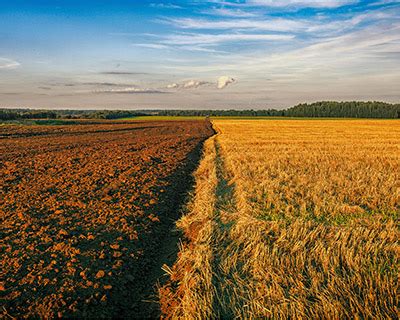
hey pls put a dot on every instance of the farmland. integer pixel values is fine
(84, 210)
(287, 218)
(291, 219)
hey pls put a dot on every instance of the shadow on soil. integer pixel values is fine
(138, 298)
(130, 290)
(170, 209)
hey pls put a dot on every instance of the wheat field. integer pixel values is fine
(291, 219)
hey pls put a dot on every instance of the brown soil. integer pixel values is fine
(87, 212)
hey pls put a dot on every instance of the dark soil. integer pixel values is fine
(87, 215)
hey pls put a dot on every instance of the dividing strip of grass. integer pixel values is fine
(190, 293)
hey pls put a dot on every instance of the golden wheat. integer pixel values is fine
(308, 227)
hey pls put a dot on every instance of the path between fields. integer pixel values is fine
(148, 306)
(214, 288)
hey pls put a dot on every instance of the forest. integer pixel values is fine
(20, 114)
(322, 109)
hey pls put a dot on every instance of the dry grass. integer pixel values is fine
(309, 228)
(193, 270)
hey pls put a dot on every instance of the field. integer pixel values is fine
(164, 118)
(287, 218)
(84, 210)
(291, 219)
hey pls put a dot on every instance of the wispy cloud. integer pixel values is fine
(210, 39)
(384, 2)
(105, 84)
(8, 63)
(302, 3)
(121, 73)
(222, 82)
(322, 24)
(165, 5)
(129, 90)
(271, 24)
(370, 50)
(188, 84)
(151, 45)
(229, 12)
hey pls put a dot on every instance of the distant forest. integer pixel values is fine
(21, 114)
(332, 109)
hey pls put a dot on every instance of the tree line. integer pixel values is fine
(20, 114)
(346, 109)
(328, 109)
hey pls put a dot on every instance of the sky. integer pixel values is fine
(197, 54)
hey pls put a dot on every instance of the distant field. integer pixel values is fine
(51, 122)
(170, 118)
(292, 219)
(165, 118)
(180, 118)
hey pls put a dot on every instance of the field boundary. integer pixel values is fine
(168, 243)
(201, 291)
(190, 291)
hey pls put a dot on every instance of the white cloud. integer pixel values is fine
(199, 48)
(188, 84)
(272, 24)
(224, 81)
(165, 6)
(197, 38)
(225, 12)
(302, 3)
(322, 25)
(373, 50)
(8, 63)
(383, 2)
(193, 84)
(158, 46)
(128, 90)
(151, 45)
(173, 86)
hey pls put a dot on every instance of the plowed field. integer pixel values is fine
(84, 209)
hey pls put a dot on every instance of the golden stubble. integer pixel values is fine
(311, 230)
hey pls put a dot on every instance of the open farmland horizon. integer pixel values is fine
(200, 159)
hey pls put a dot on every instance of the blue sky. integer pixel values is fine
(197, 54)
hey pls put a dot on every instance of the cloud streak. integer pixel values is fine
(302, 3)
(271, 24)
(121, 73)
(129, 90)
(358, 52)
(8, 64)
(232, 13)
(212, 39)
(221, 83)
(165, 6)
